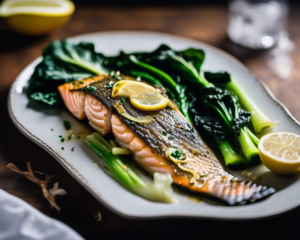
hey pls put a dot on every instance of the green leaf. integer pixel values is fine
(193, 56)
(185, 64)
(62, 62)
(241, 121)
(212, 125)
(218, 78)
(81, 57)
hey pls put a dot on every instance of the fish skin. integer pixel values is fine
(148, 146)
(219, 184)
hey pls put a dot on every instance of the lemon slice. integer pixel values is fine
(280, 152)
(126, 88)
(142, 96)
(149, 101)
(36, 17)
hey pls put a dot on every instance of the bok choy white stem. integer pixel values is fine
(159, 191)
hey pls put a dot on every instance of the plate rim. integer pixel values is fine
(81, 180)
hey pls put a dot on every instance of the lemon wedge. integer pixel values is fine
(149, 101)
(126, 88)
(36, 17)
(280, 152)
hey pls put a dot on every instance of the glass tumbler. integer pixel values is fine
(257, 24)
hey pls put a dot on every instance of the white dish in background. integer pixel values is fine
(86, 167)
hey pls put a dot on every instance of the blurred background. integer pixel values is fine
(162, 2)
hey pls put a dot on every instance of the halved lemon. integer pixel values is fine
(126, 88)
(149, 101)
(280, 152)
(36, 17)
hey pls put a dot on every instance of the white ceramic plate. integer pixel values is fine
(87, 168)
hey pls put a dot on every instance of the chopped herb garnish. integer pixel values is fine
(62, 140)
(67, 125)
(81, 82)
(73, 83)
(90, 88)
(174, 147)
(169, 130)
(132, 123)
(60, 136)
(164, 133)
(62, 148)
(72, 149)
(176, 154)
(117, 78)
(110, 84)
(78, 137)
(115, 75)
(123, 99)
(191, 183)
(203, 175)
(51, 129)
(69, 137)
(170, 138)
(192, 130)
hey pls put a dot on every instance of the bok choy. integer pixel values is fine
(62, 62)
(159, 191)
(259, 120)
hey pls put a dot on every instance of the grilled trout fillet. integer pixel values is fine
(83, 105)
(150, 144)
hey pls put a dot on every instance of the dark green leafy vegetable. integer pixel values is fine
(217, 129)
(212, 125)
(224, 106)
(223, 79)
(62, 62)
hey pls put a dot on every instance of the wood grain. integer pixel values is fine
(207, 24)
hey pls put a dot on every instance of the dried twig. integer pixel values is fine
(49, 194)
(98, 217)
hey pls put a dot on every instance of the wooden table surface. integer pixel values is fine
(278, 68)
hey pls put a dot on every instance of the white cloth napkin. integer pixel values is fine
(20, 221)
